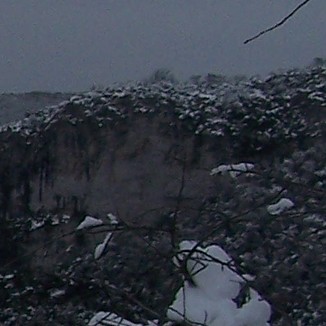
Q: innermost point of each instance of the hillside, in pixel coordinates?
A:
(147, 154)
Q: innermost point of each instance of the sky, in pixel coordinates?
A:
(72, 45)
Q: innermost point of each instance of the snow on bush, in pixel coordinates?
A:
(89, 222)
(112, 219)
(233, 169)
(209, 299)
(279, 207)
(108, 318)
(100, 248)
(56, 293)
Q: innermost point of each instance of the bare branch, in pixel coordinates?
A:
(280, 23)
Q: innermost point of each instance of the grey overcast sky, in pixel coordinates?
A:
(69, 45)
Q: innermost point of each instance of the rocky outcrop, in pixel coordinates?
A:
(129, 150)
(129, 167)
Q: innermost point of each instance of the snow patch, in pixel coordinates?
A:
(36, 225)
(233, 169)
(279, 207)
(8, 277)
(56, 293)
(108, 318)
(65, 218)
(89, 222)
(112, 219)
(101, 247)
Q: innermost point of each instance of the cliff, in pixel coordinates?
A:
(123, 150)
(127, 166)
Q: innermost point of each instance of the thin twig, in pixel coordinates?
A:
(279, 24)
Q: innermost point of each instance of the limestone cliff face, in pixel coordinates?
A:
(134, 165)
(129, 150)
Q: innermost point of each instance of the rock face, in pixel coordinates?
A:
(133, 166)
(141, 148)
(126, 169)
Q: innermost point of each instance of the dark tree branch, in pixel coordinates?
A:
(280, 23)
